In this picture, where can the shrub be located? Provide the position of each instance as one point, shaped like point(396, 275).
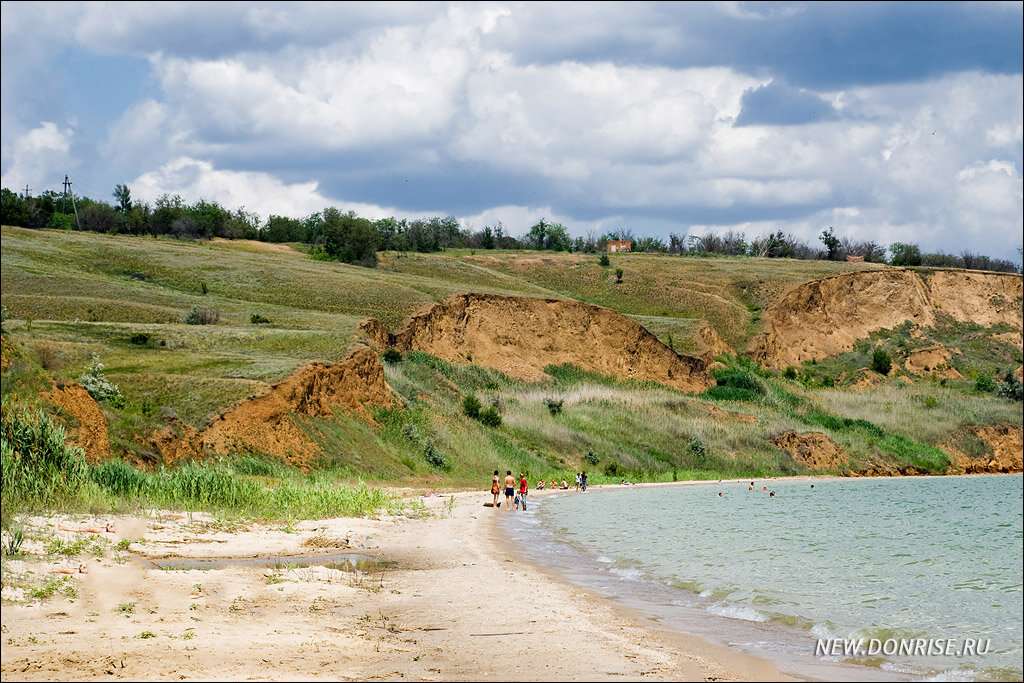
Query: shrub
point(392, 356)
point(828, 381)
point(99, 387)
point(790, 372)
point(618, 275)
point(140, 339)
point(257, 319)
point(985, 384)
point(490, 417)
point(435, 456)
point(38, 464)
point(592, 458)
point(201, 316)
point(737, 384)
point(604, 260)
point(697, 448)
point(471, 406)
point(50, 357)
point(881, 362)
point(554, 407)
point(612, 469)
point(1011, 387)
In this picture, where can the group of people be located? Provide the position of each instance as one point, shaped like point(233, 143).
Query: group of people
point(516, 499)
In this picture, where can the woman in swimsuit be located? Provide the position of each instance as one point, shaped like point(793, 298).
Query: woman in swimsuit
point(495, 488)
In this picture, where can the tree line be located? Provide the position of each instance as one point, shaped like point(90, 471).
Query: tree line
point(345, 236)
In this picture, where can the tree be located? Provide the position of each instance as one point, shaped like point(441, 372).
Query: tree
point(281, 229)
point(349, 238)
point(124, 198)
point(832, 243)
point(881, 362)
point(905, 254)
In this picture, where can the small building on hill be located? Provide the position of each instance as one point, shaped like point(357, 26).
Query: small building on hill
point(617, 246)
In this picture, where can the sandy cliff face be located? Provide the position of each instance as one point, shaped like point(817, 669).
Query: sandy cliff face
point(1007, 445)
point(813, 450)
point(91, 433)
point(818, 319)
point(520, 336)
point(267, 423)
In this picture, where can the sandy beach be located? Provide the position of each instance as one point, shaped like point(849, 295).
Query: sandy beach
point(440, 596)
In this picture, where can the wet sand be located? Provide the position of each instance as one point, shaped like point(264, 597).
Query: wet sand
point(437, 597)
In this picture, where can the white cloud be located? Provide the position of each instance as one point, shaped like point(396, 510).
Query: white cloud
point(257, 192)
point(37, 156)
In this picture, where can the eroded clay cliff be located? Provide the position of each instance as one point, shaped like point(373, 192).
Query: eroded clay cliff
point(819, 319)
point(520, 336)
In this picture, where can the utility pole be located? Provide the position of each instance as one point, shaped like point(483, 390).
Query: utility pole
point(67, 190)
point(28, 194)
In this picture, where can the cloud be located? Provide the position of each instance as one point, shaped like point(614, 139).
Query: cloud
point(35, 155)
point(261, 193)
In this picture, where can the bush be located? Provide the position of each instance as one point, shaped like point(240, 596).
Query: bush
point(99, 387)
point(435, 456)
point(554, 407)
point(881, 362)
point(697, 448)
point(391, 356)
point(257, 319)
point(790, 372)
point(612, 469)
point(38, 465)
point(592, 458)
point(490, 417)
point(618, 275)
point(985, 384)
point(140, 339)
point(604, 260)
point(200, 316)
point(1011, 387)
point(737, 384)
point(471, 406)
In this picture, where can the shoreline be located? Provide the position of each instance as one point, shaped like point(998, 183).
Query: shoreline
point(443, 594)
point(647, 598)
point(449, 601)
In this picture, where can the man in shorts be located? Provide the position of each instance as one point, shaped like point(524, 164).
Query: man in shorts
point(510, 489)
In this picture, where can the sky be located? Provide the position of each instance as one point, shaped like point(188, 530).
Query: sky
point(891, 122)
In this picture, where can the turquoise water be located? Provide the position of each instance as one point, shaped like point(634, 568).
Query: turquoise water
point(893, 560)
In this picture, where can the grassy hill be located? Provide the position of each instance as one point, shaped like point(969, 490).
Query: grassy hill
point(72, 296)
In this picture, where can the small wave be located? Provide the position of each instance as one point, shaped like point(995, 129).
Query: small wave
point(955, 675)
point(736, 612)
point(628, 573)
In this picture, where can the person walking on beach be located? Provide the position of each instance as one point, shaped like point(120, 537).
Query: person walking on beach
point(578, 476)
point(496, 489)
point(510, 489)
point(522, 490)
point(583, 481)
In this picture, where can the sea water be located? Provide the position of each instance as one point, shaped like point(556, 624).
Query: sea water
point(912, 578)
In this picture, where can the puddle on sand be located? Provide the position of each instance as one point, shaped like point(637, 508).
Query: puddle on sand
point(349, 562)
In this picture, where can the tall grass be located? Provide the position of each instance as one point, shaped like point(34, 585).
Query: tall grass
point(220, 487)
point(39, 467)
